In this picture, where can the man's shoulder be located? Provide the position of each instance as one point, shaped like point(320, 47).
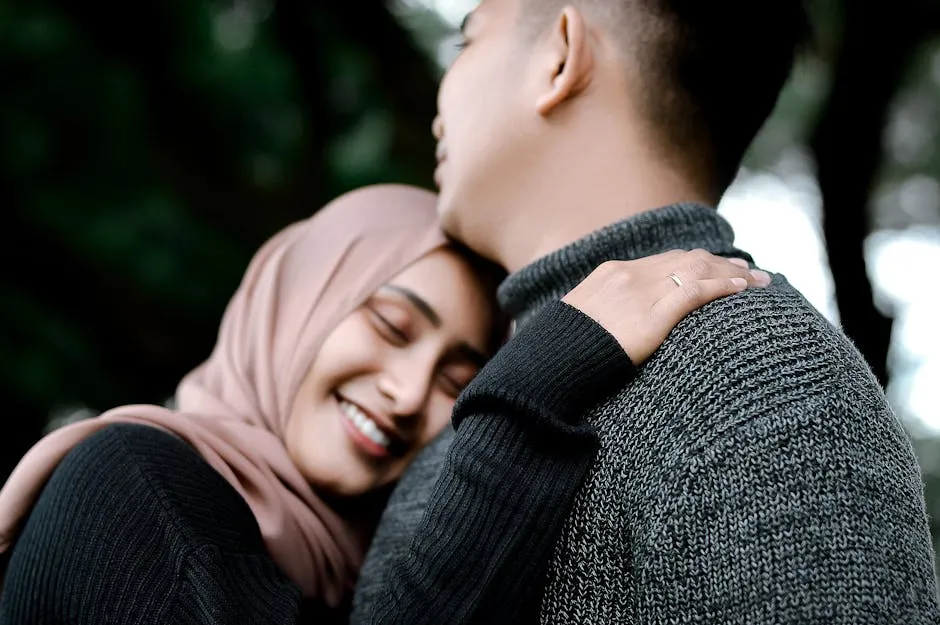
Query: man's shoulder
point(762, 355)
point(767, 335)
point(779, 308)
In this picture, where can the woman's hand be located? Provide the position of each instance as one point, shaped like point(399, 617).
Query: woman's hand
point(640, 301)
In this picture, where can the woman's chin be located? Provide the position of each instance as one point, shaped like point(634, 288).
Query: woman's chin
point(346, 481)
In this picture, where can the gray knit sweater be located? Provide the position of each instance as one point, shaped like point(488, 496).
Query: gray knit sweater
point(751, 473)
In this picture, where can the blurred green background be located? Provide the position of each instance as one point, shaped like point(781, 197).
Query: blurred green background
point(147, 150)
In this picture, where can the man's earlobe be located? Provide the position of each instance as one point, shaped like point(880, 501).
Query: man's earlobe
point(572, 60)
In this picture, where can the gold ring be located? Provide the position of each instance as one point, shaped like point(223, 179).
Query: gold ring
point(675, 279)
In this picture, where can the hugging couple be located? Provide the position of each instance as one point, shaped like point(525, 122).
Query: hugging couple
point(667, 435)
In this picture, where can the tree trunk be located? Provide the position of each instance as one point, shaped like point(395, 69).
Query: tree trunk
point(877, 48)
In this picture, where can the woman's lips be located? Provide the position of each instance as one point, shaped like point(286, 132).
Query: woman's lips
point(368, 432)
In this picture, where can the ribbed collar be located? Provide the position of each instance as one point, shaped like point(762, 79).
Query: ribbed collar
point(677, 226)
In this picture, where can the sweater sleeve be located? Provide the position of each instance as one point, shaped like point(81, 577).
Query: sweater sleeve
point(520, 453)
point(788, 518)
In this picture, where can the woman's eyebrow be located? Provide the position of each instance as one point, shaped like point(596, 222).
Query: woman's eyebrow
point(423, 307)
point(471, 353)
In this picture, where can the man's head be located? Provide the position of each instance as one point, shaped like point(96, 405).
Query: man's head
point(552, 100)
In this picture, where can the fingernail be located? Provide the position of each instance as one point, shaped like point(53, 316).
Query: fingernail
point(740, 262)
point(762, 277)
point(739, 283)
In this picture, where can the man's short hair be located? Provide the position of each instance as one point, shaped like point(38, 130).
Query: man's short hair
point(710, 72)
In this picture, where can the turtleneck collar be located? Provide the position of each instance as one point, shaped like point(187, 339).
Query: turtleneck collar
point(677, 226)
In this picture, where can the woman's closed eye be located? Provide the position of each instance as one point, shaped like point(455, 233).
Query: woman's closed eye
point(392, 325)
point(454, 378)
point(450, 386)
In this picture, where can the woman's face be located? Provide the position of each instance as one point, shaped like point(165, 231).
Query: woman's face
point(385, 380)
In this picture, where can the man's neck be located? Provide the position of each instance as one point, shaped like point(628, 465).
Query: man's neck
point(675, 226)
point(552, 216)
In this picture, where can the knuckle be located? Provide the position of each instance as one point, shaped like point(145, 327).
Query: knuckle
point(624, 278)
point(608, 267)
point(601, 273)
point(692, 291)
point(612, 273)
point(699, 267)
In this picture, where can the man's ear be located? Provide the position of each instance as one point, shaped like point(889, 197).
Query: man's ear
point(570, 58)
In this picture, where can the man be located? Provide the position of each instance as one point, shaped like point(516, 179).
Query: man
point(753, 471)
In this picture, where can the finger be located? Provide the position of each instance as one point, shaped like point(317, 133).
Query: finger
point(695, 294)
point(702, 266)
point(754, 277)
point(685, 272)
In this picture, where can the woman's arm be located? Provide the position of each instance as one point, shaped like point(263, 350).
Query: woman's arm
point(517, 460)
point(522, 446)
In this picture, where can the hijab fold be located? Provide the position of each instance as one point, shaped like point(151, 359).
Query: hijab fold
point(233, 408)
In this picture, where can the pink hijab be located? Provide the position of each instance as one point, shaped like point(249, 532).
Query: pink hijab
point(233, 409)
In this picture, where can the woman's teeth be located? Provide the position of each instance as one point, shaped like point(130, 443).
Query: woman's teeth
point(364, 424)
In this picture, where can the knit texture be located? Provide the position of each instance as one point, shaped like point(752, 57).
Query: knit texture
point(520, 452)
point(135, 527)
point(752, 472)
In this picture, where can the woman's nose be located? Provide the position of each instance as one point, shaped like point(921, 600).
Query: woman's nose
point(407, 389)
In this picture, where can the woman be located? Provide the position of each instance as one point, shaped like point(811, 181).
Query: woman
point(340, 355)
